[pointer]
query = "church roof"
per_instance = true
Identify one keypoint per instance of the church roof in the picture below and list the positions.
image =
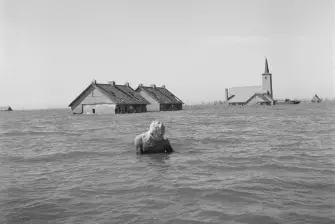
(260, 97)
(242, 94)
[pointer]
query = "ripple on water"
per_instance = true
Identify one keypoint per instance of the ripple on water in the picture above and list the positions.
(232, 165)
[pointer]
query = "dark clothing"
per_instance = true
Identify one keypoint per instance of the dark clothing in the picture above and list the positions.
(150, 146)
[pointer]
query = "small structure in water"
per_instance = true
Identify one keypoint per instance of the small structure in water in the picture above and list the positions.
(7, 108)
(101, 98)
(287, 101)
(153, 140)
(160, 98)
(316, 99)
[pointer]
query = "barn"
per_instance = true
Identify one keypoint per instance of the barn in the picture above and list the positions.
(102, 98)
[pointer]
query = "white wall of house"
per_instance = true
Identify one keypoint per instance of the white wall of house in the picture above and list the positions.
(92, 96)
(78, 109)
(99, 108)
(154, 105)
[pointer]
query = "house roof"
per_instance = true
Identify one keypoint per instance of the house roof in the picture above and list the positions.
(160, 94)
(316, 98)
(243, 94)
(119, 94)
(130, 91)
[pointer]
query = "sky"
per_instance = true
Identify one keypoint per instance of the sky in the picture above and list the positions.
(51, 50)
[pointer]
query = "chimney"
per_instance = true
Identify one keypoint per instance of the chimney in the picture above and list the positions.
(226, 95)
(127, 84)
(153, 85)
(139, 85)
(163, 86)
(94, 81)
(111, 83)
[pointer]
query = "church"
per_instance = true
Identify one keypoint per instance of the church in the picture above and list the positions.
(253, 95)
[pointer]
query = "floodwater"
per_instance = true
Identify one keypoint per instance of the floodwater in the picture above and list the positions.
(231, 165)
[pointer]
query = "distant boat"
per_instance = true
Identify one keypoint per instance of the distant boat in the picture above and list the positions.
(287, 101)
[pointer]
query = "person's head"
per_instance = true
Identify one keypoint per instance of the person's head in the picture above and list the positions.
(157, 130)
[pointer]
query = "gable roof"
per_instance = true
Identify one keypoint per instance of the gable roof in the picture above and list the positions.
(242, 94)
(119, 94)
(160, 94)
(316, 98)
(130, 91)
(263, 96)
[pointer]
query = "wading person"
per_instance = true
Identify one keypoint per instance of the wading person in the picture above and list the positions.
(153, 140)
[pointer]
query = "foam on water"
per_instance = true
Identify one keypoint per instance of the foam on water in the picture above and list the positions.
(232, 165)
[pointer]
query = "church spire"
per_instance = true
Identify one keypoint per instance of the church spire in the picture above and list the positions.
(266, 66)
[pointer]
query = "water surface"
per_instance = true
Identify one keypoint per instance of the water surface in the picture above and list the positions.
(232, 165)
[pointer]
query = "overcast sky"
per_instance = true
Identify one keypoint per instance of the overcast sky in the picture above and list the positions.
(50, 50)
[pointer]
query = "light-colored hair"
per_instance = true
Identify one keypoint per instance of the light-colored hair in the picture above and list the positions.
(157, 130)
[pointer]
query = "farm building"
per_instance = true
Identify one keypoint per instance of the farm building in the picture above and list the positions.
(316, 99)
(160, 98)
(108, 98)
(7, 108)
(253, 95)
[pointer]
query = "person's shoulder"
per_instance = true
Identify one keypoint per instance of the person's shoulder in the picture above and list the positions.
(138, 138)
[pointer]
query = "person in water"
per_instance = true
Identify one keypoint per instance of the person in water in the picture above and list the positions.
(153, 140)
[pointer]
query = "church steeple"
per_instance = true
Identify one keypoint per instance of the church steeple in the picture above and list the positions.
(267, 80)
(266, 66)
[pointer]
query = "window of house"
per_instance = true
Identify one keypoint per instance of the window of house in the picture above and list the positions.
(93, 111)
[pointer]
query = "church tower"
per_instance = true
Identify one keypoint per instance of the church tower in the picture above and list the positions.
(267, 80)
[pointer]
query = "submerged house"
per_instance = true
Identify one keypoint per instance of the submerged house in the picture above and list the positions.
(253, 95)
(109, 98)
(316, 99)
(7, 108)
(160, 98)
